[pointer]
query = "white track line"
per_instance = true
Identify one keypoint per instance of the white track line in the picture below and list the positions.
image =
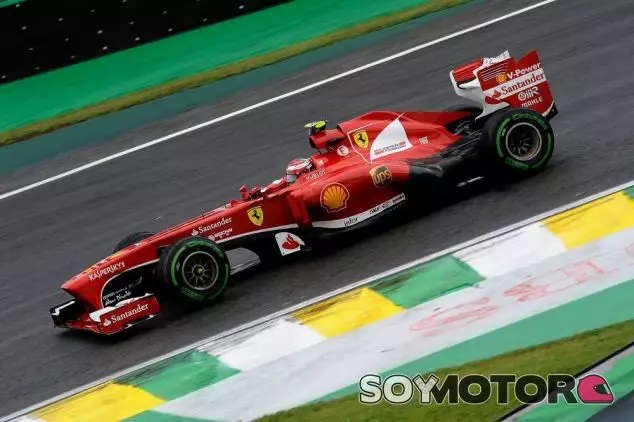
(271, 100)
(285, 312)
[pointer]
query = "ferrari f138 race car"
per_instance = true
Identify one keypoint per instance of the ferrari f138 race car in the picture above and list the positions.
(363, 169)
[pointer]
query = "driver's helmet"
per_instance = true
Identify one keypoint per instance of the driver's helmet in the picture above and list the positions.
(296, 168)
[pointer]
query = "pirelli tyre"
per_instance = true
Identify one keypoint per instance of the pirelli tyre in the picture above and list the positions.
(131, 239)
(518, 140)
(196, 269)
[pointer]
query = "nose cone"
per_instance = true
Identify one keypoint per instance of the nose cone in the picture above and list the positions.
(76, 283)
(94, 276)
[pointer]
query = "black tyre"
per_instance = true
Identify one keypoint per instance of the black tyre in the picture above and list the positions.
(519, 141)
(195, 268)
(131, 239)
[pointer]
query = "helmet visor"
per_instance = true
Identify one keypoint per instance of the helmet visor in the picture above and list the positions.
(291, 178)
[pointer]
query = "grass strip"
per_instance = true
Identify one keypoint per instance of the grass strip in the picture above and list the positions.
(212, 75)
(571, 356)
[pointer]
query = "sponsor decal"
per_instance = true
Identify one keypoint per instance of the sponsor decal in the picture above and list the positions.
(494, 68)
(391, 140)
(424, 140)
(342, 151)
(391, 148)
(479, 389)
(334, 197)
(488, 61)
(529, 93)
(316, 174)
(497, 72)
(220, 235)
(346, 222)
(120, 294)
(124, 316)
(512, 87)
(288, 243)
(381, 176)
(532, 102)
(256, 215)
(361, 139)
(521, 72)
(116, 297)
(387, 204)
(110, 269)
(212, 226)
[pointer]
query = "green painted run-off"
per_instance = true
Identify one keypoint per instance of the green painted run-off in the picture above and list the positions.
(179, 375)
(53, 93)
(426, 282)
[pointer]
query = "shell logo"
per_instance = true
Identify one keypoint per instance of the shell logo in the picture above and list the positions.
(334, 197)
(500, 78)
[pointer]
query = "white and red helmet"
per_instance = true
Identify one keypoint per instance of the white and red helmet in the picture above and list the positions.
(296, 168)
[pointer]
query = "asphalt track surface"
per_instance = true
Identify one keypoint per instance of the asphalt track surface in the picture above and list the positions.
(621, 411)
(54, 231)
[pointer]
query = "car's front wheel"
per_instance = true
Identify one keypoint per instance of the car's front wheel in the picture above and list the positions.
(196, 269)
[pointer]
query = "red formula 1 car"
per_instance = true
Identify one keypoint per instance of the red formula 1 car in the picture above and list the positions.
(364, 168)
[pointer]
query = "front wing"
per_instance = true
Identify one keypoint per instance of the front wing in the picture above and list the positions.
(109, 320)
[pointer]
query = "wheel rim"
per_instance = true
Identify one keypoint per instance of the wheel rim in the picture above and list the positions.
(523, 142)
(200, 271)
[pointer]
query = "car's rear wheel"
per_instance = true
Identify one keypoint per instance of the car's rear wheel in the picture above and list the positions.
(196, 269)
(131, 239)
(518, 141)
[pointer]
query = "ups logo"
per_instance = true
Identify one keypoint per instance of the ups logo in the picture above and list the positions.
(381, 176)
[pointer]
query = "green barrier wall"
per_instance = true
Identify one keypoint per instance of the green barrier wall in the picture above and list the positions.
(51, 94)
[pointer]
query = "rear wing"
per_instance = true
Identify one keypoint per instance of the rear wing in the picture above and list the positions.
(499, 82)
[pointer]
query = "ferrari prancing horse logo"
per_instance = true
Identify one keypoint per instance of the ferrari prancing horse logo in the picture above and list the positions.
(256, 215)
(361, 139)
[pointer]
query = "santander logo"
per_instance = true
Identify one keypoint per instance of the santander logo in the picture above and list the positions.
(128, 314)
(290, 243)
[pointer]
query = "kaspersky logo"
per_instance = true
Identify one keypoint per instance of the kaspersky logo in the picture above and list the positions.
(110, 269)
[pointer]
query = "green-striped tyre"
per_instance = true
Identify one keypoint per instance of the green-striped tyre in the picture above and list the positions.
(518, 140)
(196, 268)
